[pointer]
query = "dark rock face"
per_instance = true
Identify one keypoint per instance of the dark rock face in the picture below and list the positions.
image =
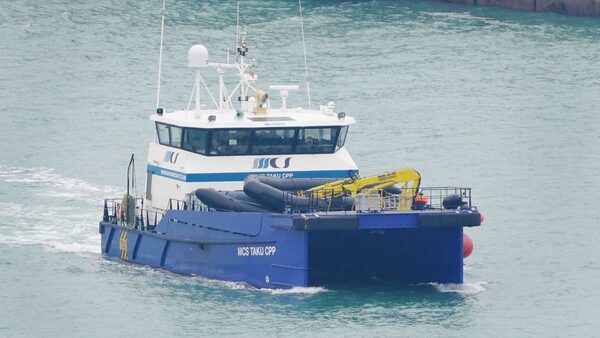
(573, 7)
(462, 2)
(528, 5)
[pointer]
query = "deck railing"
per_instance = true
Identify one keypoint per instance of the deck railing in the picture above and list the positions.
(116, 211)
(324, 201)
(191, 204)
(379, 200)
(436, 195)
(373, 200)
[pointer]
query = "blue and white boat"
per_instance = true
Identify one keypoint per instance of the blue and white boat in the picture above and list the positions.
(254, 191)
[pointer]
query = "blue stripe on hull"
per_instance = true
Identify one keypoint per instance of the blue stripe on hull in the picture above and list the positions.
(262, 249)
(240, 176)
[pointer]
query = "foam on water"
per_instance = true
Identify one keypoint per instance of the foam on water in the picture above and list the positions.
(468, 288)
(245, 286)
(50, 210)
(54, 244)
(470, 18)
(311, 290)
(177, 279)
(222, 283)
(53, 184)
(53, 228)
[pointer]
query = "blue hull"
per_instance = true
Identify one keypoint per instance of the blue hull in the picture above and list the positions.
(283, 250)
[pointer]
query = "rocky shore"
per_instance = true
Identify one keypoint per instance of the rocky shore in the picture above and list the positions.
(573, 7)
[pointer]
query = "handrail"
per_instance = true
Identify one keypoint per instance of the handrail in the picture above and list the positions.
(370, 200)
(193, 204)
(380, 200)
(145, 219)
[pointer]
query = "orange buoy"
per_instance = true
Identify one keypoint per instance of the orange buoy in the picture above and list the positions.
(467, 246)
(481, 218)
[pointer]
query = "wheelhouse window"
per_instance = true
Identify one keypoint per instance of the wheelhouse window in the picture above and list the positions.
(317, 140)
(195, 140)
(230, 142)
(273, 141)
(175, 133)
(260, 141)
(342, 137)
(169, 135)
(162, 130)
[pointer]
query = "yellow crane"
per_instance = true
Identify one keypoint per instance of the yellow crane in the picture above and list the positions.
(408, 177)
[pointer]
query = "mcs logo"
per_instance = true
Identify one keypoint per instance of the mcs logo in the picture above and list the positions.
(171, 156)
(271, 162)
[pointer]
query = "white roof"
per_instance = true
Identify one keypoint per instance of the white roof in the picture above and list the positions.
(290, 117)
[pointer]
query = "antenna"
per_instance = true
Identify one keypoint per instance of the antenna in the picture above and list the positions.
(162, 33)
(237, 28)
(304, 48)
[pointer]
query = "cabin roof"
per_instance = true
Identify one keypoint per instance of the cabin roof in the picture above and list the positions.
(290, 117)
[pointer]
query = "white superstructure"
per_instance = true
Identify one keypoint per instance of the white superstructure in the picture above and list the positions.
(241, 134)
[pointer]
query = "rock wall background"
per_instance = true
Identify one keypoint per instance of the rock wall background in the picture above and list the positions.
(573, 7)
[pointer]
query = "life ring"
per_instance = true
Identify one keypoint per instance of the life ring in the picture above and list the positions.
(420, 201)
(420, 198)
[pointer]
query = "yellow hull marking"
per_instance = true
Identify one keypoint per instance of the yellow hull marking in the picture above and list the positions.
(123, 244)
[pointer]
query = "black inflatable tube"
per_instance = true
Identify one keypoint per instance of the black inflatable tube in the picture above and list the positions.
(293, 184)
(240, 195)
(260, 188)
(223, 202)
(268, 194)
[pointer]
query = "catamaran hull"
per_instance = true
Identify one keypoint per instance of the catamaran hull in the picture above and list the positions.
(283, 251)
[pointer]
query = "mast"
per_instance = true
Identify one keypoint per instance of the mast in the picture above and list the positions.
(304, 49)
(162, 33)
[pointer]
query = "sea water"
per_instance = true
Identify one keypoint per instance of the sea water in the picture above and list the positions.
(505, 102)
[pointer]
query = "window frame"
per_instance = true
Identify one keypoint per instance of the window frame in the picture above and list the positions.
(252, 139)
(343, 130)
(180, 136)
(212, 132)
(168, 126)
(333, 145)
(296, 130)
(185, 130)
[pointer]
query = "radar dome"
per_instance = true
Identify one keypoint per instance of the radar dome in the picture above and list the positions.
(198, 57)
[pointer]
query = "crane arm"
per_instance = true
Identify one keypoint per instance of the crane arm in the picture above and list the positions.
(410, 177)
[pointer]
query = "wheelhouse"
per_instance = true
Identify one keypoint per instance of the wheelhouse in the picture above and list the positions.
(253, 141)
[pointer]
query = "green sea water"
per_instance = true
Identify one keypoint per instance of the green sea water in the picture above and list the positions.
(505, 102)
